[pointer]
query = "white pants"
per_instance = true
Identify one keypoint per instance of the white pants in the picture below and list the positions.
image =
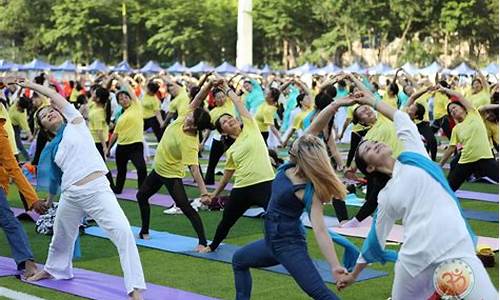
(421, 287)
(98, 201)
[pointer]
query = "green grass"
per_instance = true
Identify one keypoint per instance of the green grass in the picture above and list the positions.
(209, 278)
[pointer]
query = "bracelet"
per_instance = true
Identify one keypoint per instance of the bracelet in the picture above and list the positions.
(375, 103)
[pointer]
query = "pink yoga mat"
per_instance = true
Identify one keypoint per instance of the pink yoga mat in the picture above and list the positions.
(397, 233)
(22, 214)
(157, 199)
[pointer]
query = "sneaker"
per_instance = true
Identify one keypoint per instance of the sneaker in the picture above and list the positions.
(173, 211)
(351, 223)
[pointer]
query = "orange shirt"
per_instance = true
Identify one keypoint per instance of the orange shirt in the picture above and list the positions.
(10, 169)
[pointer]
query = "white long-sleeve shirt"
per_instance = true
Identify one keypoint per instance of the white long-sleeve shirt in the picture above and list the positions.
(433, 226)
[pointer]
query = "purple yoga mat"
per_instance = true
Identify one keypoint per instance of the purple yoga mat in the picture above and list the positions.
(156, 199)
(129, 175)
(22, 214)
(8, 267)
(100, 286)
(477, 196)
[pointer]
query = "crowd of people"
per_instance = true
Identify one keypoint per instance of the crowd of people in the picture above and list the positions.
(394, 127)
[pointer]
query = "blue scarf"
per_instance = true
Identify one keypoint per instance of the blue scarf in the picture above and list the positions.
(351, 252)
(255, 97)
(49, 174)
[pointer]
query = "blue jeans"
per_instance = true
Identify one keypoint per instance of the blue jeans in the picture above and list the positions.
(16, 236)
(284, 244)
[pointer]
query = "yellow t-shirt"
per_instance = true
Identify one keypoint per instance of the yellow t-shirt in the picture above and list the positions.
(265, 116)
(180, 104)
(355, 127)
(226, 108)
(74, 95)
(479, 99)
(176, 150)
(298, 120)
(97, 123)
(424, 101)
(392, 101)
(18, 118)
(248, 156)
(471, 134)
(384, 131)
(129, 126)
(150, 105)
(492, 129)
(440, 103)
(4, 114)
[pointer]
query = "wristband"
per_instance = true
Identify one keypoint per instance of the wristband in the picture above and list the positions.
(376, 102)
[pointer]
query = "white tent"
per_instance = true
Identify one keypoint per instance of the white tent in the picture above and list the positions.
(306, 68)
(379, 68)
(354, 68)
(462, 69)
(330, 68)
(431, 69)
(491, 69)
(410, 68)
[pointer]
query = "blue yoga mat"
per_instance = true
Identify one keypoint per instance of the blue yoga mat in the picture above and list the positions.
(488, 216)
(184, 245)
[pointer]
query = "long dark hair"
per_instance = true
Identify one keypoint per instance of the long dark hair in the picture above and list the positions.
(102, 96)
(374, 177)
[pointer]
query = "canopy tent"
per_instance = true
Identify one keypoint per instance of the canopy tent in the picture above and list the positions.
(306, 68)
(35, 65)
(201, 67)
(330, 68)
(431, 69)
(266, 70)
(97, 66)
(123, 67)
(249, 69)
(7, 65)
(66, 66)
(491, 69)
(379, 68)
(151, 67)
(462, 69)
(410, 68)
(225, 68)
(354, 68)
(177, 68)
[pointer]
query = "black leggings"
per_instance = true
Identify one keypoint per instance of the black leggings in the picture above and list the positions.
(375, 184)
(484, 167)
(135, 153)
(240, 200)
(153, 123)
(41, 140)
(216, 152)
(340, 210)
(175, 187)
(356, 138)
(430, 140)
(108, 175)
(443, 123)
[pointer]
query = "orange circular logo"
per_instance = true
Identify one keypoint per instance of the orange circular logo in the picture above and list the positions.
(453, 279)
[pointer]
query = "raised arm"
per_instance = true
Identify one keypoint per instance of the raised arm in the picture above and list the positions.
(488, 107)
(380, 106)
(57, 100)
(417, 95)
(202, 94)
(326, 114)
(124, 85)
(460, 98)
(240, 107)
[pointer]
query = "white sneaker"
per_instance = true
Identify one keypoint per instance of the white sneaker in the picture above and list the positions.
(174, 210)
(197, 205)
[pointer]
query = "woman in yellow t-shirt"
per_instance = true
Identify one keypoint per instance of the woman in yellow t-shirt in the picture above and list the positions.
(248, 160)
(479, 94)
(304, 102)
(265, 114)
(98, 122)
(129, 135)
(476, 156)
(222, 106)
(19, 120)
(177, 149)
(151, 110)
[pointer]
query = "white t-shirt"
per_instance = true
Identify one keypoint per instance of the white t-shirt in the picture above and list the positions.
(77, 155)
(433, 226)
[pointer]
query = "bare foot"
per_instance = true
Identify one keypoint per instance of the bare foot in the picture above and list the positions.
(39, 276)
(206, 249)
(135, 295)
(30, 269)
(144, 236)
(199, 248)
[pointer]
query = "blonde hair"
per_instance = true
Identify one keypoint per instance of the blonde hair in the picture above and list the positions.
(310, 155)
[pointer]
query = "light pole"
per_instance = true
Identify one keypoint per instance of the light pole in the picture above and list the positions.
(244, 55)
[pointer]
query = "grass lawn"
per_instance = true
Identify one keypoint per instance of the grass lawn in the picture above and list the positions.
(209, 278)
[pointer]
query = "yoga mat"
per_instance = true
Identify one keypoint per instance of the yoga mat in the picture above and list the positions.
(157, 199)
(396, 234)
(353, 200)
(21, 214)
(8, 267)
(329, 221)
(191, 182)
(488, 216)
(100, 286)
(185, 245)
(477, 196)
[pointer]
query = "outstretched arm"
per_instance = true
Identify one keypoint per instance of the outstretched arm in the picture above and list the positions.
(451, 93)
(326, 114)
